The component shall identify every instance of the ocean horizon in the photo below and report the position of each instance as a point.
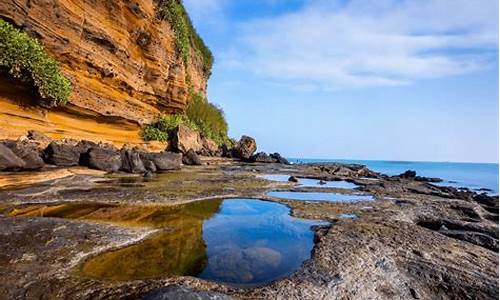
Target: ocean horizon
(475, 176)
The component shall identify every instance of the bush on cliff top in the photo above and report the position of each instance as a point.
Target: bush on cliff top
(186, 37)
(25, 59)
(209, 118)
(200, 116)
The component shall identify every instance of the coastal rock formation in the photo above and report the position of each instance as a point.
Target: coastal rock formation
(8, 160)
(245, 148)
(122, 62)
(162, 161)
(186, 139)
(191, 159)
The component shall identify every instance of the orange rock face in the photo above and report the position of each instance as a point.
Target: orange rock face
(120, 58)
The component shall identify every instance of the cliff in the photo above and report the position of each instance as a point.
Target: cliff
(121, 59)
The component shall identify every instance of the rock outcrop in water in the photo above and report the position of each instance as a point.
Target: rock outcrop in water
(121, 59)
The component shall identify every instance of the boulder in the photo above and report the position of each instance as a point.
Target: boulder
(191, 159)
(64, 153)
(131, 161)
(184, 139)
(245, 148)
(163, 161)
(279, 158)
(8, 160)
(410, 174)
(150, 166)
(293, 179)
(210, 148)
(262, 157)
(101, 158)
(27, 151)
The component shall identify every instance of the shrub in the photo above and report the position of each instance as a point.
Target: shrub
(186, 37)
(25, 59)
(200, 116)
(159, 130)
(208, 118)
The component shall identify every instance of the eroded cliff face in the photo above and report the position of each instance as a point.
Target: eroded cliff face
(120, 58)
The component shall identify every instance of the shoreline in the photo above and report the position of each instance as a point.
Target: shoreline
(397, 218)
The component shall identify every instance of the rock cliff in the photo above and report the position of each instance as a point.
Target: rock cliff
(120, 57)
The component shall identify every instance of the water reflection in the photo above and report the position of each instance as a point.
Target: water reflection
(307, 182)
(312, 196)
(243, 242)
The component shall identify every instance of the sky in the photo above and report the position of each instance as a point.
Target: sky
(357, 79)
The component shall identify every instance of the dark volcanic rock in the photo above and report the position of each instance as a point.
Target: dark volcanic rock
(262, 157)
(102, 159)
(150, 166)
(28, 152)
(279, 158)
(63, 153)
(8, 160)
(191, 159)
(163, 161)
(410, 174)
(131, 161)
(245, 148)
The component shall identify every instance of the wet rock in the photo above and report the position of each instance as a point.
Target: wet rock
(322, 182)
(279, 158)
(101, 158)
(163, 161)
(191, 159)
(245, 148)
(148, 175)
(262, 157)
(413, 176)
(293, 179)
(182, 293)
(28, 152)
(131, 161)
(8, 160)
(184, 139)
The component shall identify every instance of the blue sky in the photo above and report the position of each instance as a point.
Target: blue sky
(359, 79)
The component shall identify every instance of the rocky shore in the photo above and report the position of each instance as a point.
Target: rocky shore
(415, 240)
(36, 151)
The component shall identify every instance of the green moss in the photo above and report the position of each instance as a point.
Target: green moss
(186, 37)
(25, 59)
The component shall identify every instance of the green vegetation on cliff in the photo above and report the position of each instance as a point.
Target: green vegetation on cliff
(186, 37)
(200, 115)
(25, 59)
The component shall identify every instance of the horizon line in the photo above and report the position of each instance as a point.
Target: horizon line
(389, 160)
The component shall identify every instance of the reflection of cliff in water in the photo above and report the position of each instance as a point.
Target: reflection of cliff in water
(178, 250)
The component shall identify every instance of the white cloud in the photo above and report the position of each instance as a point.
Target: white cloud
(360, 43)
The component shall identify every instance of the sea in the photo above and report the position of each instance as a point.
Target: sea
(475, 176)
